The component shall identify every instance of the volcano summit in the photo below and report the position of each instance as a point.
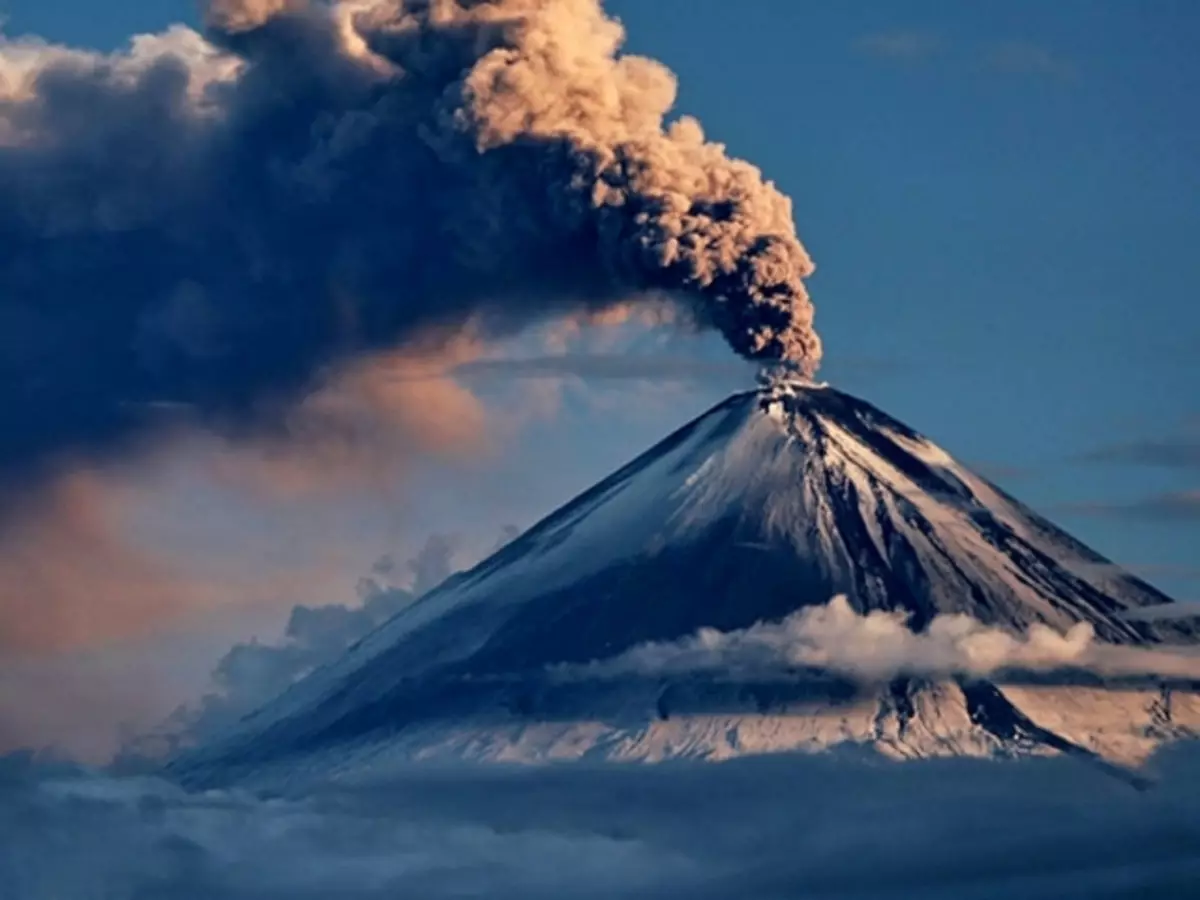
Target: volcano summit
(750, 518)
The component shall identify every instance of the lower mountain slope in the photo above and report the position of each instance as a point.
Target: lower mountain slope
(773, 501)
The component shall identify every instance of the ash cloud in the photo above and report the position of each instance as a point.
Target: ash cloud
(768, 827)
(880, 645)
(72, 576)
(607, 367)
(67, 579)
(214, 223)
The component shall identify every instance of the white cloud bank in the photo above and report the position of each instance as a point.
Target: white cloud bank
(881, 645)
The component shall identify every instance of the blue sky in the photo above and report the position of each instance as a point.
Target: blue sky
(1002, 201)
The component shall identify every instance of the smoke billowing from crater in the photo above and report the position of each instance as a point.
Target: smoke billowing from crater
(217, 221)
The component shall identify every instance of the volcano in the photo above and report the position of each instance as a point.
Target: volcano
(775, 500)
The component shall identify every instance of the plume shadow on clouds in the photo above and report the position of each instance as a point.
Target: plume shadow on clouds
(767, 827)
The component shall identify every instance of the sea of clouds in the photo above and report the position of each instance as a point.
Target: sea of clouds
(768, 827)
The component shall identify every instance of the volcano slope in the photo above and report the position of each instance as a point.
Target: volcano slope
(771, 503)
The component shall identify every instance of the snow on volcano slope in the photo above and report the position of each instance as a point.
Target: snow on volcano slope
(774, 500)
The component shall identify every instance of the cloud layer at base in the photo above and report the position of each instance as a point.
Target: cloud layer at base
(771, 827)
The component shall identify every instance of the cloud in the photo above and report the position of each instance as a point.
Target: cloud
(879, 646)
(608, 367)
(116, 692)
(1028, 58)
(88, 589)
(72, 575)
(252, 673)
(232, 16)
(1181, 451)
(219, 222)
(902, 45)
(361, 428)
(1171, 507)
(68, 579)
(774, 827)
(78, 705)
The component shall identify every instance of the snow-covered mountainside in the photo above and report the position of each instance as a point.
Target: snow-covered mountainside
(774, 500)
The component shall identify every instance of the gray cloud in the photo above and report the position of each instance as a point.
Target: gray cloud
(1174, 506)
(1180, 451)
(900, 45)
(770, 828)
(1029, 58)
(613, 366)
(910, 46)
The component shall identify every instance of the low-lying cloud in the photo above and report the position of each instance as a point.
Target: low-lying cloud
(879, 645)
(767, 828)
(254, 672)
(1180, 451)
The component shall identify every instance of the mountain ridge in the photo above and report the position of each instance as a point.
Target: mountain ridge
(775, 499)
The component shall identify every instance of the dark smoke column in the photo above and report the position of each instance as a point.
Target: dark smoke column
(213, 222)
(665, 208)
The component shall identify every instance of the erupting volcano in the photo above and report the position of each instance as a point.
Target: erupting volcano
(766, 506)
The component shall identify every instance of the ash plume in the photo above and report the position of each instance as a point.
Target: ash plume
(214, 222)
